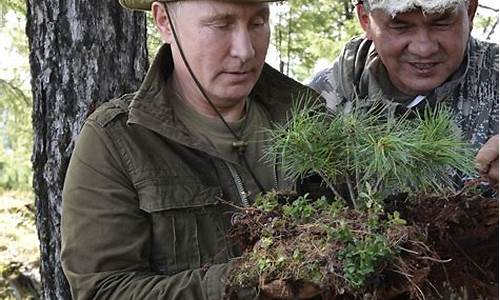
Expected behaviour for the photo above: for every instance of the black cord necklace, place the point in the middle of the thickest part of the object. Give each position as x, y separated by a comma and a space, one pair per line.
239, 145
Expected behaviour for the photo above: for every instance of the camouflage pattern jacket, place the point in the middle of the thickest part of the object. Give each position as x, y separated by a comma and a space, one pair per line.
471, 92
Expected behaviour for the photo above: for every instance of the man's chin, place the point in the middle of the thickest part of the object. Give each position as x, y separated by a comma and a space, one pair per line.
235, 98
236, 92
419, 87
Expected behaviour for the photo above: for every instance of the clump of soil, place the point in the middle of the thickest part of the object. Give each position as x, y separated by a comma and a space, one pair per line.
424, 246
462, 229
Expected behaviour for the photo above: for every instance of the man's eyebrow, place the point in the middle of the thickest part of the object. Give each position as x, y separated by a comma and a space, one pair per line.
218, 17
264, 11
397, 20
445, 15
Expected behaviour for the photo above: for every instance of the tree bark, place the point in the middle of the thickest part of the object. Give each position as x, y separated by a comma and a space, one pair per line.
82, 53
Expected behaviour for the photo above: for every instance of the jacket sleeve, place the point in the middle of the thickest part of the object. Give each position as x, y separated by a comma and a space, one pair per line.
106, 237
326, 83
339, 85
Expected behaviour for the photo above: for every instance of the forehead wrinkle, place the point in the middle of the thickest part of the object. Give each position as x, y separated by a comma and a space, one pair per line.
216, 13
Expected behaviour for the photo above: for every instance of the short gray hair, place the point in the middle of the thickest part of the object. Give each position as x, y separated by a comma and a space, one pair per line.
394, 7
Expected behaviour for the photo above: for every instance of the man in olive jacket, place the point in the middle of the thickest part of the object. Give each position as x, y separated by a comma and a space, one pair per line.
416, 52
145, 201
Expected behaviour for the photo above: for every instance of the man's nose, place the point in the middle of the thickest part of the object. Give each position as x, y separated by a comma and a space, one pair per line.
423, 44
242, 45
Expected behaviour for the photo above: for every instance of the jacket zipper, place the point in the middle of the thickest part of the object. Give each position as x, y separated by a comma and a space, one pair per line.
239, 185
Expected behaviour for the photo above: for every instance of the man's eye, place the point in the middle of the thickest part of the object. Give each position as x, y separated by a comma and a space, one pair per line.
399, 26
221, 24
441, 24
258, 22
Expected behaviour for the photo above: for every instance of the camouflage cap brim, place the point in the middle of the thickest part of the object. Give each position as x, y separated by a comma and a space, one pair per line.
146, 4
394, 7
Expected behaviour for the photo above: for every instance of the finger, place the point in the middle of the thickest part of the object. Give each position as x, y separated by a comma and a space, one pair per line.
491, 219
277, 289
490, 213
491, 222
493, 174
280, 289
487, 154
490, 205
309, 290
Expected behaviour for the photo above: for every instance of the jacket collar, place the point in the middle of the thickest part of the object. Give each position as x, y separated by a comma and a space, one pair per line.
151, 107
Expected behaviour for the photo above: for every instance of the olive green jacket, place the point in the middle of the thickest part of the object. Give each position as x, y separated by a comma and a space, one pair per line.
471, 92
142, 216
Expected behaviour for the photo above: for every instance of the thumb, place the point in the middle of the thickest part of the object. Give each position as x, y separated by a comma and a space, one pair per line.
487, 154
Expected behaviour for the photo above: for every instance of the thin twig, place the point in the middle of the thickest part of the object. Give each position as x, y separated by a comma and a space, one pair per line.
351, 192
422, 244
408, 277
435, 259
408, 250
492, 30
379, 182
16, 90
401, 273
330, 186
435, 289
356, 174
488, 7
232, 204
417, 287
402, 237
445, 273
465, 187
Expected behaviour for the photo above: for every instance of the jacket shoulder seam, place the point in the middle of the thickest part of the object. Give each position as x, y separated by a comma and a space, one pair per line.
109, 111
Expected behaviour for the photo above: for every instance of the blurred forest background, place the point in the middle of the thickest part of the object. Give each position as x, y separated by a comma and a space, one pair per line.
307, 35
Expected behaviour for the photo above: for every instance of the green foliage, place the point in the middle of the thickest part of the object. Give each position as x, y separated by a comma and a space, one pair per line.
15, 150
318, 241
305, 32
14, 6
15, 102
373, 153
154, 41
485, 25
309, 30
362, 257
267, 202
300, 140
395, 219
300, 210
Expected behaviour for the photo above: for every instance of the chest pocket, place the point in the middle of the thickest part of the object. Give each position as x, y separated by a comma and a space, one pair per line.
188, 225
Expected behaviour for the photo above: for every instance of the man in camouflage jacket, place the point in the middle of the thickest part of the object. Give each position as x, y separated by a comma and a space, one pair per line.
416, 52
154, 178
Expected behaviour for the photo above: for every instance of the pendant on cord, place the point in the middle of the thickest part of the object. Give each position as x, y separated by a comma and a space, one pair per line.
240, 146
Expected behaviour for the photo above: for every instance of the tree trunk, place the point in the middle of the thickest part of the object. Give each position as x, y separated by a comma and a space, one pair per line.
82, 53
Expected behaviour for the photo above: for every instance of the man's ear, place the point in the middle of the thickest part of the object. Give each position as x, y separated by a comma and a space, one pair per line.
160, 18
364, 19
471, 11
